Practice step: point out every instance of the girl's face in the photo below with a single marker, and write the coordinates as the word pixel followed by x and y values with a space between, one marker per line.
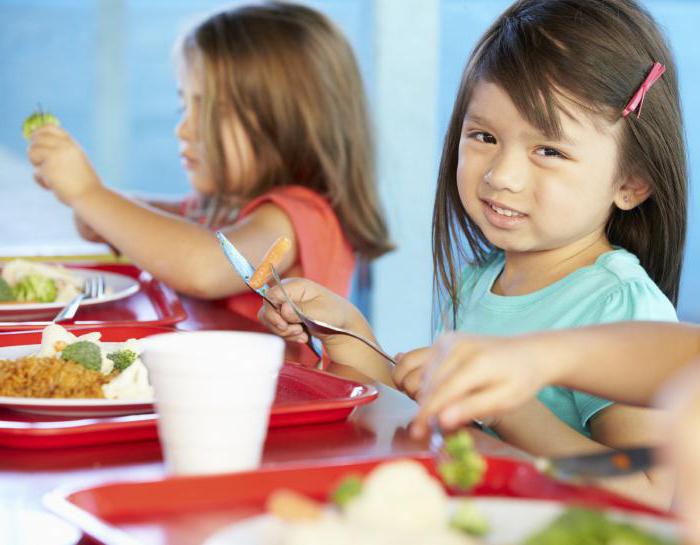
pixel 237 150
pixel 526 192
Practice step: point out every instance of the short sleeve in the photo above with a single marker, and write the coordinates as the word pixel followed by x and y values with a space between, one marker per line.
pixel 588 406
pixel 633 301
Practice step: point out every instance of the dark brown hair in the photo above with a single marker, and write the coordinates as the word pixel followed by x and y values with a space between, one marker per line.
pixel 596 52
pixel 291 79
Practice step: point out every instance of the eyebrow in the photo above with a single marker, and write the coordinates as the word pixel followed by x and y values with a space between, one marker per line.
pixel 534 135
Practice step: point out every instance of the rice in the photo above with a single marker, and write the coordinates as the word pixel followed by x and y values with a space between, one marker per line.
pixel 49 377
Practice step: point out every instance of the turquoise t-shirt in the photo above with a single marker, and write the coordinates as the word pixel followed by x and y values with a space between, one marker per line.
pixel 615 288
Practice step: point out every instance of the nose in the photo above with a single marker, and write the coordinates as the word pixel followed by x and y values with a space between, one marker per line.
pixel 507 172
pixel 183 128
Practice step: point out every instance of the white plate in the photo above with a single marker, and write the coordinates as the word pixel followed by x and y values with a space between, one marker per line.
pixel 118 287
pixel 65 406
pixel 511 521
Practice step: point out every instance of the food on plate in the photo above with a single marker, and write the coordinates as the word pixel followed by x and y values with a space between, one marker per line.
pixel 586 527
pixel 30 282
pixel 463 467
pixel 272 258
pixel 67 366
pixel 397 503
pixel 36 120
pixel 401 503
pixel 6 293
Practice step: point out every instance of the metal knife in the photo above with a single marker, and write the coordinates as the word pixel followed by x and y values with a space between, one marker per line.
pixel 603 464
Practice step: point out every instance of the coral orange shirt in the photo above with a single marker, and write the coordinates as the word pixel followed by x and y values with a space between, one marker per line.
pixel 324 254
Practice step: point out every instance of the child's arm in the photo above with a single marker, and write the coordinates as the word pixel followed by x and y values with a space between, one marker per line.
pixel 322 304
pixel 184 255
pixel 535 429
pixel 476 377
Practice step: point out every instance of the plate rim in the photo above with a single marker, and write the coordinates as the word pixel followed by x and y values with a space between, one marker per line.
pixel 134 287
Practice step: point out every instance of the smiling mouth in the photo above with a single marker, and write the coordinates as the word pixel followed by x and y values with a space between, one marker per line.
pixel 504 211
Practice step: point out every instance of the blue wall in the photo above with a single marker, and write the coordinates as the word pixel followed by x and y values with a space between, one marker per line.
pixel 104 67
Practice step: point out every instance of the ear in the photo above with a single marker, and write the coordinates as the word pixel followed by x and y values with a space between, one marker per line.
pixel 633 192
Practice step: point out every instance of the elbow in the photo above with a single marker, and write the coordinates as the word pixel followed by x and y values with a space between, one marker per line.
pixel 198 286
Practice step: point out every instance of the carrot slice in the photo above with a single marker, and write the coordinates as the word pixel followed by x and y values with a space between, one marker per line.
pixel 292 506
pixel 272 258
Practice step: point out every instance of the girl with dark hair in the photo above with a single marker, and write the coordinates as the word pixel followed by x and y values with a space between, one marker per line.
pixel 275 138
pixel 561 202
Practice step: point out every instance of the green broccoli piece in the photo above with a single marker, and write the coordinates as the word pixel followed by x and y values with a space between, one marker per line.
pixel 85 353
pixel 36 288
pixel 348 489
pixel 578 526
pixel 37 120
pixel 464 467
pixel 469 519
pixel 6 293
pixel 122 358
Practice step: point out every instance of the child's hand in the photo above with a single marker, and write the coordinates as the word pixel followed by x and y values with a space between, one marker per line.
pixel 410 370
pixel 60 164
pixel 471 377
pixel 315 301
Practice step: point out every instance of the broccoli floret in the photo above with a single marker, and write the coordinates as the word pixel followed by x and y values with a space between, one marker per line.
pixel 37 120
pixel 585 527
pixel 348 489
pixel 122 358
pixel 469 519
pixel 464 467
pixel 36 288
pixel 85 353
pixel 6 293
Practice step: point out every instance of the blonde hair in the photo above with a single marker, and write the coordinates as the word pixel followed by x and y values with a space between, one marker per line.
pixel 291 79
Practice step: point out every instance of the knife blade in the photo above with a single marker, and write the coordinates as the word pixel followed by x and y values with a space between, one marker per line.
pixel 602 464
pixel 240 263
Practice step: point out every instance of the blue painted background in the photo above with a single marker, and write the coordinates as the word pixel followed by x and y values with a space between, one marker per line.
pixel 70 58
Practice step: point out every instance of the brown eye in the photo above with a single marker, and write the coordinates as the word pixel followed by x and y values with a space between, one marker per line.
pixel 550 152
pixel 484 137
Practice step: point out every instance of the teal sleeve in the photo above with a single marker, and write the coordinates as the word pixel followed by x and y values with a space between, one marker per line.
pixel 629 301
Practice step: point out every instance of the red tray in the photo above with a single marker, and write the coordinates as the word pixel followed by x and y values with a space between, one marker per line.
pixel 303 396
pixel 155 304
pixel 185 510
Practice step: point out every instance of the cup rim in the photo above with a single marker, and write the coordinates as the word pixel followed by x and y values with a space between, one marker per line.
pixel 155 341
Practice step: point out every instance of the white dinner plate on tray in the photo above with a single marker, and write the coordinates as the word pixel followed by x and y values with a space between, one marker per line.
pixel 117 286
pixel 511 520
pixel 67 406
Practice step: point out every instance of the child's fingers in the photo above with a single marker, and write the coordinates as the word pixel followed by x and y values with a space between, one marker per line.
pixel 478 405
pixel 459 384
pixel 408 363
pixel 412 382
pixel 38 179
pixel 38 153
pixel 51 130
pixel 271 318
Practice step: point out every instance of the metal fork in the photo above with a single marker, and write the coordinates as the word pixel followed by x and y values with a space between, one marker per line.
pixel 323 328
pixel 93 287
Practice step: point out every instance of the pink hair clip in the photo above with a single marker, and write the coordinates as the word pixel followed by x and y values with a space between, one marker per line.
pixel 638 99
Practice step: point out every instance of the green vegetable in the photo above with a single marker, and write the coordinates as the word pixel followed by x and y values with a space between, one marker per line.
pixel 122 358
pixel 585 527
pixel 85 353
pixel 464 467
pixel 348 489
pixel 37 120
pixel 469 519
pixel 6 293
pixel 36 288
